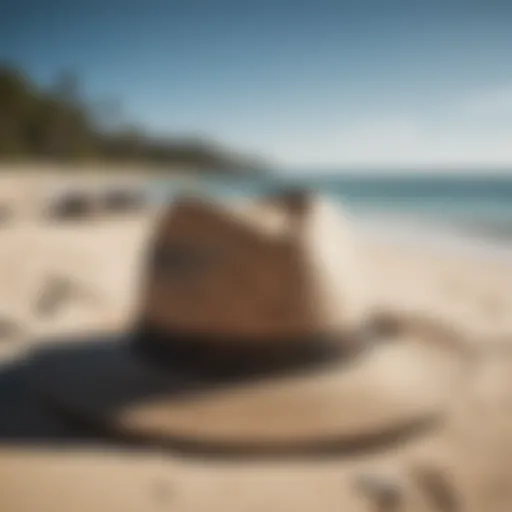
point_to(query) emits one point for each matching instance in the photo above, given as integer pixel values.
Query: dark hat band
(221, 359)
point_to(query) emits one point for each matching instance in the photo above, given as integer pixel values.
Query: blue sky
(309, 84)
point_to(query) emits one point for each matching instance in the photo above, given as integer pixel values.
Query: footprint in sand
(10, 329)
(385, 492)
(59, 291)
(436, 487)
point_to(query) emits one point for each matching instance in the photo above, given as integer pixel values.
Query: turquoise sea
(456, 210)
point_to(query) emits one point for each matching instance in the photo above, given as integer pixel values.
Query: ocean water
(468, 212)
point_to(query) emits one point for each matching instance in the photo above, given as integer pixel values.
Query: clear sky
(310, 84)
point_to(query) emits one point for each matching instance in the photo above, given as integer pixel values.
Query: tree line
(56, 123)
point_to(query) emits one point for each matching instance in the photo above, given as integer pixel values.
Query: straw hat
(255, 331)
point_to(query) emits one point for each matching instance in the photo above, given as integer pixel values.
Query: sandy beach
(100, 259)
(256, 256)
(64, 279)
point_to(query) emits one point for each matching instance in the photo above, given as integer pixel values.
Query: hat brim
(395, 385)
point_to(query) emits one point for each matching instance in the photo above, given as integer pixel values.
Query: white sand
(471, 458)
(471, 292)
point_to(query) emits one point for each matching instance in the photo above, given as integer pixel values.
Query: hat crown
(281, 266)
